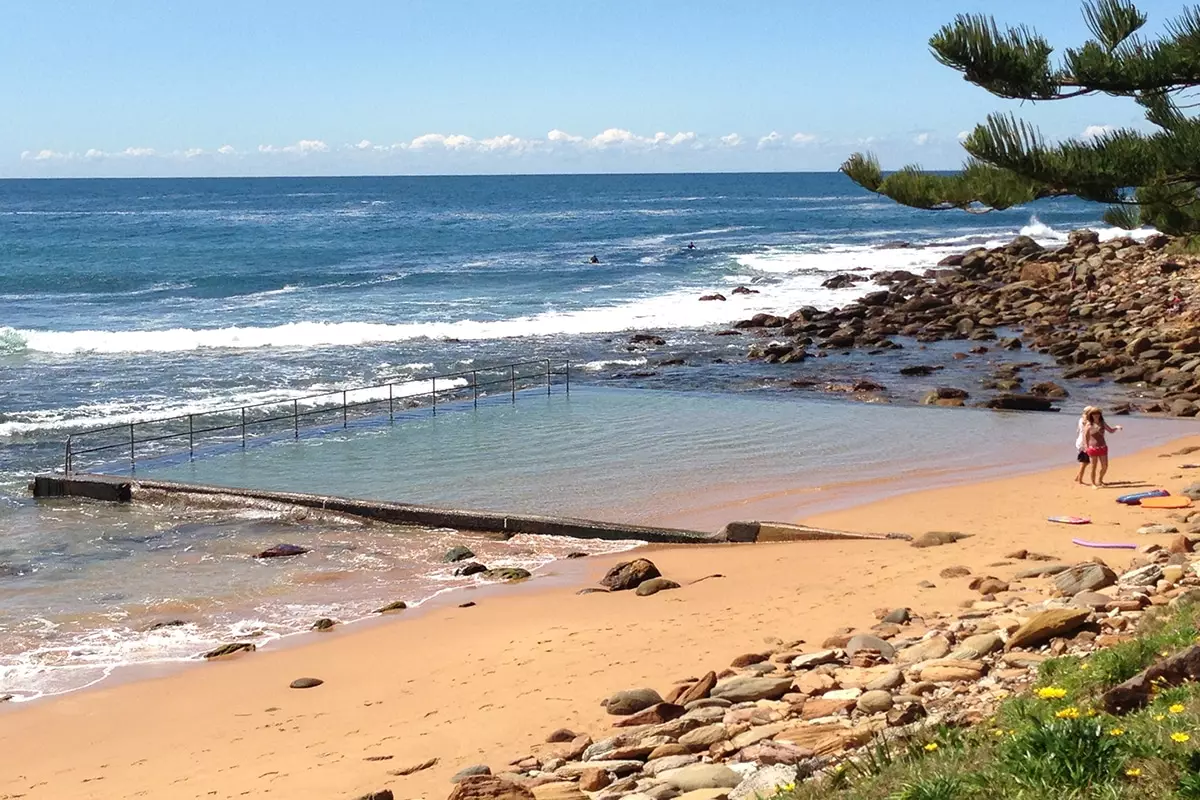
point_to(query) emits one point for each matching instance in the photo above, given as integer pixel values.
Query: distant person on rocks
(1097, 445)
(1081, 442)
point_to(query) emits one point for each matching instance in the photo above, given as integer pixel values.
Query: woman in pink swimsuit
(1096, 446)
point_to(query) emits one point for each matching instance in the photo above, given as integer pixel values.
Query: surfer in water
(691, 246)
(593, 260)
(1096, 445)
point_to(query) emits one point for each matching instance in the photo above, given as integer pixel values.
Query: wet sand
(486, 684)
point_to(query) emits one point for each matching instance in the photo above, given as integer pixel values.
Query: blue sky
(144, 87)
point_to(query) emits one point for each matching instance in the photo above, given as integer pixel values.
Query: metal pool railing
(232, 424)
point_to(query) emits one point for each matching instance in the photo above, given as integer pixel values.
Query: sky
(148, 88)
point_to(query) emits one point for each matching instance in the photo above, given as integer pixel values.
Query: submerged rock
(456, 554)
(507, 574)
(282, 551)
(324, 624)
(399, 605)
(473, 568)
(230, 649)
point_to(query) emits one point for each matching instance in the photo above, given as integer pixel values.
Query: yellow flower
(1116, 732)
(1085, 666)
(1176, 709)
(1071, 712)
(1180, 737)
(1159, 717)
(998, 732)
(1051, 693)
(1091, 712)
(1133, 772)
(931, 746)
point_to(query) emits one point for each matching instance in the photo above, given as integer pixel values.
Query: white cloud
(44, 155)
(507, 143)
(302, 147)
(226, 150)
(94, 153)
(365, 144)
(1096, 131)
(804, 138)
(562, 137)
(193, 152)
(772, 139)
(921, 139)
(962, 135)
(138, 152)
(732, 140)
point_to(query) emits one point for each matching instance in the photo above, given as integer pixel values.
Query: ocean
(126, 300)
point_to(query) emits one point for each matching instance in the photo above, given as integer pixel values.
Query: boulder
(1137, 692)
(874, 702)
(765, 782)
(456, 554)
(952, 670)
(630, 574)
(1019, 402)
(698, 690)
(865, 641)
(468, 772)
(701, 776)
(977, 646)
(489, 787)
(399, 605)
(305, 683)
(230, 649)
(472, 568)
(282, 551)
(507, 574)
(1086, 577)
(936, 646)
(631, 701)
(1045, 625)
(1148, 575)
(745, 688)
(654, 586)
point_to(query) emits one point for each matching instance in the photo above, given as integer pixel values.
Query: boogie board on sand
(1070, 520)
(1105, 545)
(1138, 497)
(1166, 502)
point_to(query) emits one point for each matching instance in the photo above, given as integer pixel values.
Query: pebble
(306, 683)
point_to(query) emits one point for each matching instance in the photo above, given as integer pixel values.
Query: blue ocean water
(126, 300)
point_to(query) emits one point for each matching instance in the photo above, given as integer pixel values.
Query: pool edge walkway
(120, 489)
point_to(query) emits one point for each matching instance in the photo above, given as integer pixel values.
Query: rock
(489, 787)
(698, 690)
(699, 739)
(938, 538)
(1086, 577)
(574, 749)
(695, 794)
(647, 338)
(654, 586)
(507, 574)
(1092, 600)
(468, 772)
(382, 794)
(889, 680)
(305, 683)
(743, 688)
(324, 624)
(654, 715)
(399, 605)
(815, 659)
(951, 670)
(1142, 576)
(631, 701)
(1019, 402)
(630, 574)
(282, 551)
(905, 714)
(1136, 693)
(413, 769)
(558, 790)
(593, 780)
(1045, 625)
(1156, 528)
(897, 616)
(560, 735)
(713, 296)
(1180, 544)
(765, 782)
(701, 776)
(472, 568)
(954, 572)
(456, 554)
(170, 623)
(874, 702)
(1041, 571)
(936, 646)
(865, 641)
(230, 649)
(977, 646)
(991, 585)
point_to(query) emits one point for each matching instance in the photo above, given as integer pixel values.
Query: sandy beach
(486, 684)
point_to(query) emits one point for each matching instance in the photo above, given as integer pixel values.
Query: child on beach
(1081, 444)
(1097, 445)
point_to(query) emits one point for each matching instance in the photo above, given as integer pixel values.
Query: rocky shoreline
(1121, 312)
(788, 712)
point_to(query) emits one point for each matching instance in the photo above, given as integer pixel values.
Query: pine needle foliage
(1146, 178)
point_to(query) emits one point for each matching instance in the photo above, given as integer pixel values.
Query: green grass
(1052, 742)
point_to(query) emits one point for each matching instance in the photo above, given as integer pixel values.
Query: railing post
(67, 459)
(475, 386)
(567, 371)
(296, 417)
(243, 427)
(512, 380)
(191, 438)
(435, 395)
(132, 460)
(547, 377)
(345, 414)
(391, 406)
